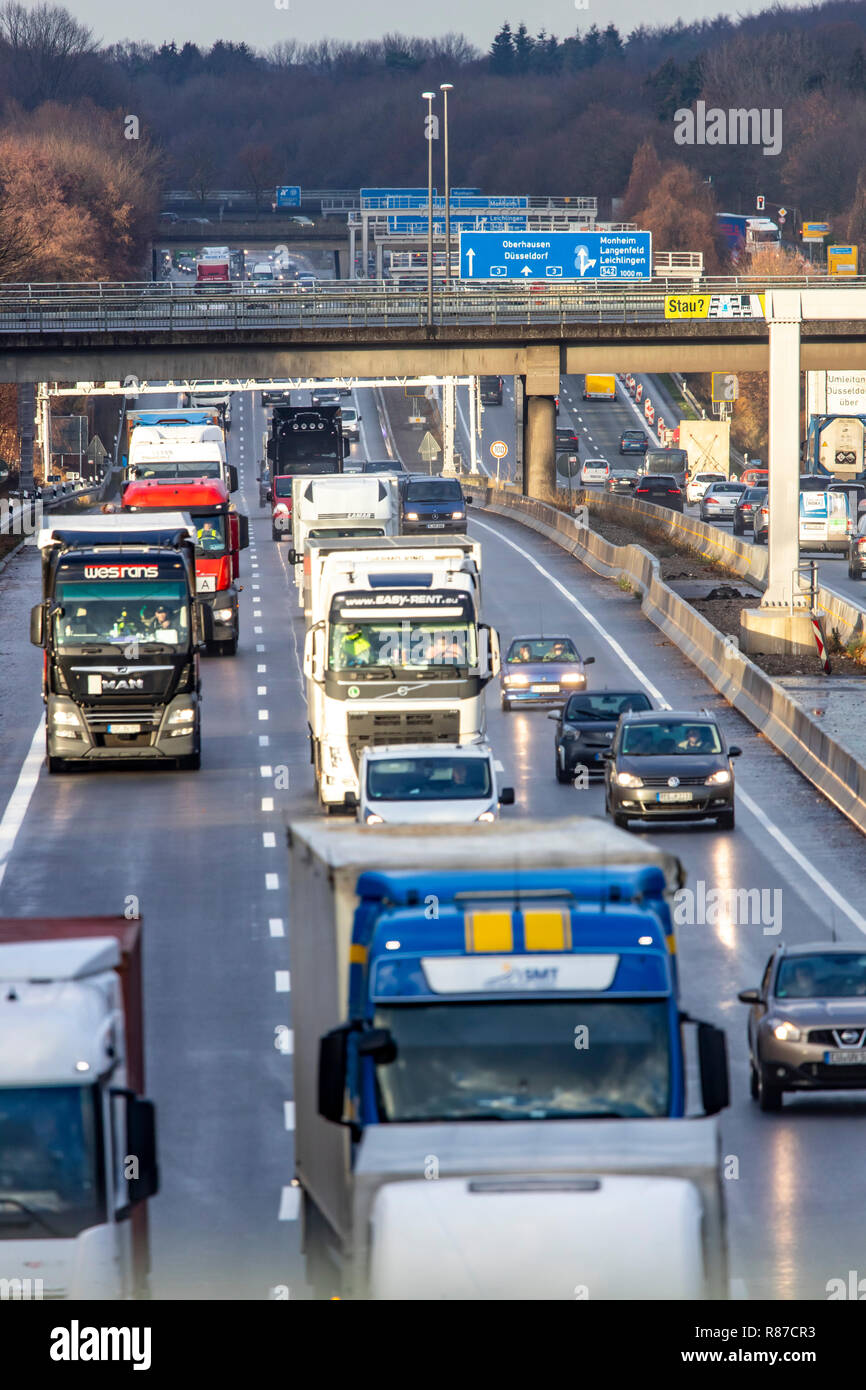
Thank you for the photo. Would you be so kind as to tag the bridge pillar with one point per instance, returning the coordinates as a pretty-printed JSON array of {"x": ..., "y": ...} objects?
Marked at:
[
  {"x": 541, "y": 386},
  {"x": 782, "y": 623},
  {"x": 352, "y": 272}
]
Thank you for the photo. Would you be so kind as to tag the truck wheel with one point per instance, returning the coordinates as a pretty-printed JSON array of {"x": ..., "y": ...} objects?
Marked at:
[
  {"x": 769, "y": 1097},
  {"x": 55, "y": 764}
]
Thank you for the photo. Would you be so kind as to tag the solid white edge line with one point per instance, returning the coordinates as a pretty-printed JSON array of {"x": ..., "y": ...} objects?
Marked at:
[
  {"x": 752, "y": 806},
  {"x": 290, "y": 1204}
]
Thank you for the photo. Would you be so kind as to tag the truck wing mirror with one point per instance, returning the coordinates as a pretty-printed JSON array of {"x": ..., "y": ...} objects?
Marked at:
[
  {"x": 202, "y": 624},
  {"x": 233, "y": 477},
  {"x": 271, "y": 449},
  {"x": 713, "y": 1063},
  {"x": 141, "y": 1169},
  {"x": 379, "y": 1045},
  {"x": 506, "y": 796},
  {"x": 243, "y": 531},
  {"x": 333, "y": 1057},
  {"x": 295, "y": 557},
  {"x": 37, "y": 625}
]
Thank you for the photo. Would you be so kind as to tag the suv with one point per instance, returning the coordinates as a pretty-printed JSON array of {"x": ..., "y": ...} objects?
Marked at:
[
  {"x": 431, "y": 503},
  {"x": 664, "y": 492},
  {"x": 633, "y": 442},
  {"x": 807, "y": 1022},
  {"x": 667, "y": 765}
]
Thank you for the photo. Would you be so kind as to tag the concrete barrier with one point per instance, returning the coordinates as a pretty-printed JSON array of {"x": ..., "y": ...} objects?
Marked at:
[{"x": 827, "y": 763}]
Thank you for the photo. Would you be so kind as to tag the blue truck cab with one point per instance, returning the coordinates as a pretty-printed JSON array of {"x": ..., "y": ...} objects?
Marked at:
[{"x": 496, "y": 995}]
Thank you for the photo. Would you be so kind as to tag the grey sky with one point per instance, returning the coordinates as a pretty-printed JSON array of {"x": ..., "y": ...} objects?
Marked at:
[{"x": 261, "y": 23}]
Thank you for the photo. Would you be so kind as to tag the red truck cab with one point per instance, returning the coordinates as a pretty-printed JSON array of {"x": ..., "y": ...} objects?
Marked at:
[
  {"x": 221, "y": 534},
  {"x": 281, "y": 506}
]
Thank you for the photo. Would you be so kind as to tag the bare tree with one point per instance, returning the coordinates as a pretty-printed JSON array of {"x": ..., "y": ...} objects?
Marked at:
[{"x": 48, "y": 48}]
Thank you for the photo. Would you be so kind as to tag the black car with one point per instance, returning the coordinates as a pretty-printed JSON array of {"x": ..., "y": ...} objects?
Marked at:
[
  {"x": 748, "y": 503},
  {"x": 567, "y": 441},
  {"x": 586, "y": 726},
  {"x": 668, "y": 765},
  {"x": 276, "y": 395},
  {"x": 431, "y": 503},
  {"x": 661, "y": 490},
  {"x": 622, "y": 480},
  {"x": 326, "y": 395},
  {"x": 633, "y": 442},
  {"x": 857, "y": 551}
]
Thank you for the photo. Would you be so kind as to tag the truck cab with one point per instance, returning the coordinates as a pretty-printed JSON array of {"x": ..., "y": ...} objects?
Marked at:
[{"x": 221, "y": 534}]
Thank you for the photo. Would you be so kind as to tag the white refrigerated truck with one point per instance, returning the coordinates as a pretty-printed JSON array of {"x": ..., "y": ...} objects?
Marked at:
[
  {"x": 395, "y": 651},
  {"x": 339, "y": 507}
]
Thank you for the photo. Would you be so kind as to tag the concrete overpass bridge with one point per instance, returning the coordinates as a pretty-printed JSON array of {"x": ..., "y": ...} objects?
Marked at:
[{"x": 162, "y": 332}]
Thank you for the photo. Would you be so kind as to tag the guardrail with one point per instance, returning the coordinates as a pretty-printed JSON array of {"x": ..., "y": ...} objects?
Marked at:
[
  {"x": 827, "y": 763},
  {"x": 129, "y": 306}
]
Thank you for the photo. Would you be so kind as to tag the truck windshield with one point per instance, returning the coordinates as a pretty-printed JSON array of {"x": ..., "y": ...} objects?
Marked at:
[
  {"x": 52, "y": 1179},
  {"x": 499, "y": 1061},
  {"x": 210, "y": 534},
  {"x": 428, "y": 779},
  {"x": 177, "y": 468},
  {"x": 149, "y": 613},
  {"x": 405, "y": 644}
]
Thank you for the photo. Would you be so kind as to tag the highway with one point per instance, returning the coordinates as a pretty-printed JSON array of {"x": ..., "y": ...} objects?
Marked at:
[{"x": 202, "y": 857}]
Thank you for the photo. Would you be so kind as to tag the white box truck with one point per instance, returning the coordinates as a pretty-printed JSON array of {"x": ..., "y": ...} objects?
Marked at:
[{"x": 339, "y": 507}]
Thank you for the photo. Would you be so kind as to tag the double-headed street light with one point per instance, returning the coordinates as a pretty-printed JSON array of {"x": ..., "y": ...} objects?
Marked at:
[{"x": 445, "y": 88}]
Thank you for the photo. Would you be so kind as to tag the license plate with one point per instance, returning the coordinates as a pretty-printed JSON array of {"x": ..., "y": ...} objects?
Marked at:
[
  {"x": 124, "y": 728},
  {"x": 544, "y": 689},
  {"x": 435, "y": 525},
  {"x": 673, "y": 796},
  {"x": 854, "y": 1058}
]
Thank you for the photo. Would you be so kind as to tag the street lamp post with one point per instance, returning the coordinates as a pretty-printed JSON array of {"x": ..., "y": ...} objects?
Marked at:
[
  {"x": 445, "y": 88},
  {"x": 428, "y": 131}
]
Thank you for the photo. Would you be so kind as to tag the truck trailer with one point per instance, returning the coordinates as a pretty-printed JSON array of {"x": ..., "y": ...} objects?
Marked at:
[
  {"x": 121, "y": 629},
  {"x": 78, "y": 1138},
  {"x": 523, "y": 973},
  {"x": 345, "y": 507}
]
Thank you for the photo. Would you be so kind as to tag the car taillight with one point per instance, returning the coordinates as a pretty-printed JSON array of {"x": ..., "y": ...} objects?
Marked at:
[
  {"x": 714, "y": 501},
  {"x": 861, "y": 545},
  {"x": 673, "y": 492}
]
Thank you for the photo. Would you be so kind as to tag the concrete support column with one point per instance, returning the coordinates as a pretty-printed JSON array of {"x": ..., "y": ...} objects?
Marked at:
[
  {"x": 365, "y": 242},
  {"x": 539, "y": 450},
  {"x": 352, "y": 272},
  {"x": 784, "y": 315}
]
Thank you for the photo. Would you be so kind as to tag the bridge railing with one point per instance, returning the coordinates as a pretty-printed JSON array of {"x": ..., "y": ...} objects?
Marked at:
[{"x": 130, "y": 306}]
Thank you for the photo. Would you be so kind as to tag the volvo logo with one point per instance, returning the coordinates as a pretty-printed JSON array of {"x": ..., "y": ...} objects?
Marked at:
[{"x": 673, "y": 781}]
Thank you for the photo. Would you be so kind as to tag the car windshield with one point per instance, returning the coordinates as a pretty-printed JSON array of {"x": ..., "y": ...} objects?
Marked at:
[
  {"x": 349, "y": 413},
  {"x": 51, "y": 1173},
  {"x": 652, "y": 740},
  {"x": 604, "y": 706},
  {"x": 434, "y": 492},
  {"x": 525, "y": 649},
  {"x": 151, "y": 612},
  {"x": 392, "y": 466},
  {"x": 834, "y": 975},
  {"x": 494, "y": 1061},
  {"x": 401, "y": 644},
  {"x": 428, "y": 778}
]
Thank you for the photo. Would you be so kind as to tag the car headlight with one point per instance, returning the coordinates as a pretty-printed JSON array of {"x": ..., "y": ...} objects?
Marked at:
[
  {"x": 718, "y": 779},
  {"x": 786, "y": 1032},
  {"x": 182, "y": 716},
  {"x": 223, "y": 615},
  {"x": 457, "y": 516},
  {"x": 411, "y": 516},
  {"x": 65, "y": 716},
  {"x": 628, "y": 779},
  {"x": 517, "y": 680},
  {"x": 573, "y": 680},
  {"x": 486, "y": 816},
  {"x": 372, "y": 819}
]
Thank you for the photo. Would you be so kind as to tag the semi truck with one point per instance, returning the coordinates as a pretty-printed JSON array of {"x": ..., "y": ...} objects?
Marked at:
[
  {"x": 490, "y": 388},
  {"x": 395, "y": 652},
  {"x": 213, "y": 267},
  {"x": 121, "y": 629},
  {"x": 221, "y": 534},
  {"x": 163, "y": 419},
  {"x": 743, "y": 234},
  {"x": 339, "y": 508},
  {"x": 78, "y": 1137},
  {"x": 522, "y": 972},
  {"x": 191, "y": 451},
  {"x": 303, "y": 443}
]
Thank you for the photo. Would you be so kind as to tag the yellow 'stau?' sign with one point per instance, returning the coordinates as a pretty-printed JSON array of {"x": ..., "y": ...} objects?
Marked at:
[{"x": 714, "y": 306}]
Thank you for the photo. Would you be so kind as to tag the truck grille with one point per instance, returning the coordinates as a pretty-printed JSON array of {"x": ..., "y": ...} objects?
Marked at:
[
  {"x": 402, "y": 726},
  {"x": 100, "y": 716}
]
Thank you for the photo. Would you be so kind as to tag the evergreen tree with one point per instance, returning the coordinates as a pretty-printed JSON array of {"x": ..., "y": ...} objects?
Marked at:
[{"x": 502, "y": 51}]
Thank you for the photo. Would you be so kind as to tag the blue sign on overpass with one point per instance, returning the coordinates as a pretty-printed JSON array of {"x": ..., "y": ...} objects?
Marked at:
[
  {"x": 556, "y": 256},
  {"x": 289, "y": 196}
]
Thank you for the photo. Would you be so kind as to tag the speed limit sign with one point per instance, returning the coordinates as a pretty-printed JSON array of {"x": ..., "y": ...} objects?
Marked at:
[{"x": 499, "y": 448}]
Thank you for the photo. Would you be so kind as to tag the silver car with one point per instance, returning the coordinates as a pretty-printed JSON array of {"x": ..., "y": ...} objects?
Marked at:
[{"x": 720, "y": 500}]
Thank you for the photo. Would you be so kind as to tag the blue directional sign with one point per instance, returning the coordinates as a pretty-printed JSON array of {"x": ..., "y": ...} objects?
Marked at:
[
  {"x": 289, "y": 196},
  {"x": 555, "y": 256}
]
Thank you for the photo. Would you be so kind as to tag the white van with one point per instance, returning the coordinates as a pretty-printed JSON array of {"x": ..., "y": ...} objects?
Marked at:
[
  {"x": 430, "y": 783},
  {"x": 825, "y": 521}
]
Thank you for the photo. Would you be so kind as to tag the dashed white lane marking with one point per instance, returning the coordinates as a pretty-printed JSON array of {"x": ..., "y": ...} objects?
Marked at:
[
  {"x": 257, "y": 629},
  {"x": 276, "y": 926},
  {"x": 290, "y": 1204},
  {"x": 289, "y": 1114},
  {"x": 260, "y": 646},
  {"x": 263, "y": 714},
  {"x": 264, "y": 740},
  {"x": 257, "y": 613},
  {"x": 16, "y": 807},
  {"x": 282, "y": 981},
  {"x": 261, "y": 669},
  {"x": 266, "y": 770},
  {"x": 262, "y": 689},
  {"x": 269, "y": 839},
  {"x": 267, "y": 803},
  {"x": 772, "y": 829},
  {"x": 272, "y": 882}
]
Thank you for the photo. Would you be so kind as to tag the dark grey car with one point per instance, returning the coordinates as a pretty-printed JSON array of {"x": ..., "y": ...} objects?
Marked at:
[
  {"x": 807, "y": 1022},
  {"x": 585, "y": 728},
  {"x": 669, "y": 765}
]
